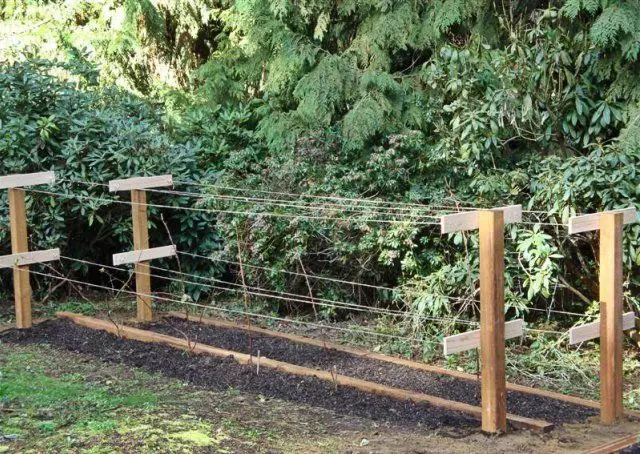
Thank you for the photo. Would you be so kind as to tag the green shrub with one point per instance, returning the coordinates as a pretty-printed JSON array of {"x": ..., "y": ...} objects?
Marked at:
[{"x": 54, "y": 117}]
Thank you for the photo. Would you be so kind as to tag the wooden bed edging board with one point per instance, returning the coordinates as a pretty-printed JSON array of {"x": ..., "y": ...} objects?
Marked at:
[
  {"x": 390, "y": 359},
  {"x": 616, "y": 445},
  {"x": 128, "y": 332}
]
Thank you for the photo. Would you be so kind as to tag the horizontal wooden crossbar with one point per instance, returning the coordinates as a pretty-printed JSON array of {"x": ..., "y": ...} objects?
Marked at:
[
  {"x": 29, "y": 258},
  {"x": 470, "y": 220},
  {"x": 140, "y": 183},
  {"x": 589, "y": 222},
  {"x": 143, "y": 255},
  {"x": 389, "y": 359},
  {"x": 590, "y": 331},
  {"x": 471, "y": 339},
  {"x": 242, "y": 358},
  {"x": 22, "y": 180}
]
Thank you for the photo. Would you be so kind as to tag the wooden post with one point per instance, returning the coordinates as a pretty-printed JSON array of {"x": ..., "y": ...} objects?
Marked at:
[
  {"x": 611, "y": 376},
  {"x": 492, "y": 337},
  {"x": 141, "y": 254},
  {"x": 612, "y": 322},
  {"x": 20, "y": 258},
  {"x": 490, "y": 224},
  {"x": 21, "y": 285},
  {"x": 141, "y": 241}
]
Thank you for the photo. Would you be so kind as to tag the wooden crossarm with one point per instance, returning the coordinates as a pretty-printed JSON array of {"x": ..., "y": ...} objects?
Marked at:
[
  {"x": 471, "y": 339},
  {"x": 590, "y": 331},
  {"x": 143, "y": 255},
  {"x": 470, "y": 220},
  {"x": 589, "y": 222},
  {"x": 140, "y": 183},
  {"x": 21, "y": 180},
  {"x": 29, "y": 258}
]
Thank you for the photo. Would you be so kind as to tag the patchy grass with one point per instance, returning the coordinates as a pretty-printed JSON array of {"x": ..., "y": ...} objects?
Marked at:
[{"x": 54, "y": 400}]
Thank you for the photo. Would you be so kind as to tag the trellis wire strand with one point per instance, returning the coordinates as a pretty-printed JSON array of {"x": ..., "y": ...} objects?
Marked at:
[
  {"x": 358, "y": 203},
  {"x": 252, "y": 314},
  {"x": 290, "y": 297},
  {"x": 214, "y": 211},
  {"x": 340, "y": 281},
  {"x": 280, "y": 202},
  {"x": 355, "y": 306},
  {"x": 460, "y": 207},
  {"x": 414, "y": 212}
]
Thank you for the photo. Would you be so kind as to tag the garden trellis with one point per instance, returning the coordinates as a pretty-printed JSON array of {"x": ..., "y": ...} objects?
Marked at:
[{"x": 490, "y": 338}]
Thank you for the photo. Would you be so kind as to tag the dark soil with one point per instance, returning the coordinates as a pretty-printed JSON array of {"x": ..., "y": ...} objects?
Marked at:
[
  {"x": 224, "y": 373},
  {"x": 398, "y": 376},
  {"x": 634, "y": 449}
]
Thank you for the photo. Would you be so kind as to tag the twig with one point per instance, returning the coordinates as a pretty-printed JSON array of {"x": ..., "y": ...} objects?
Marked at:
[
  {"x": 334, "y": 377},
  {"x": 246, "y": 296},
  {"x": 66, "y": 280},
  {"x": 55, "y": 287},
  {"x": 315, "y": 312},
  {"x": 574, "y": 290},
  {"x": 306, "y": 278}
]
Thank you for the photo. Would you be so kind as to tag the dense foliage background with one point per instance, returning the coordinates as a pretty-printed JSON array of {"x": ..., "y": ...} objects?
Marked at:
[{"x": 473, "y": 102}]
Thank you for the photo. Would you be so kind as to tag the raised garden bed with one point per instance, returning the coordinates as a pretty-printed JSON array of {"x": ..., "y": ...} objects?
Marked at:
[
  {"x": 219, "y": 357},
  {"x": 223, "y": 373},
  {"x": 398, "y": 376}
]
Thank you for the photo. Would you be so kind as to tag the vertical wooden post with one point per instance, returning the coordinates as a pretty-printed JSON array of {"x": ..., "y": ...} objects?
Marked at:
[
  {"x": 141, "y": 241},
  {"x": 492, "y": 338},
  {"x": 21, "y": 285},
  {"x": 611, "y": 377},
  {"x": 142, "y": 254}
]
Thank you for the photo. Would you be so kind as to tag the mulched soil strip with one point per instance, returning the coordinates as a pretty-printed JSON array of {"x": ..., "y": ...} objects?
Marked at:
[
  {"x": 224, "y": 373},
  {"x": 448, "y": 387}
]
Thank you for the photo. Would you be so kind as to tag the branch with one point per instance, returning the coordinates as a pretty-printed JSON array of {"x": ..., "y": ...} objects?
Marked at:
[{"x": 574, "y": 290}]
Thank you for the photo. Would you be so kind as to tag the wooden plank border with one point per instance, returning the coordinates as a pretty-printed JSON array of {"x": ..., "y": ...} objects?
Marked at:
[
  {"x": 615, "y": 445},
  {"x": 128, "y": 184},
  {"x": 220, "y": 323},
  {"x": 21, "y": 180},
  {"x": 471, "y": 339},
  {"x": 128, "y": 332},
  {"x": 470, "y": 220},
  {"x": 29, "y": 258},
  {"x": 591, "y": 330},
  {"x": 589, "y": 222},
  {"x": 143, "y": 255}
]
